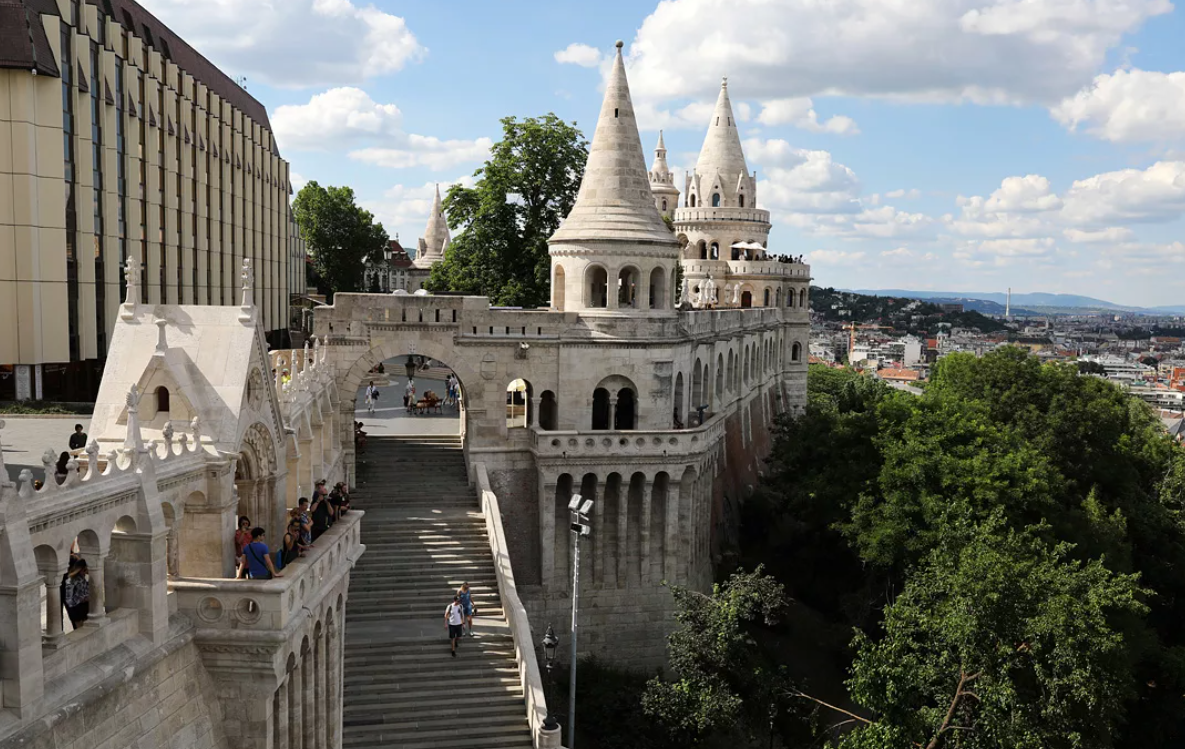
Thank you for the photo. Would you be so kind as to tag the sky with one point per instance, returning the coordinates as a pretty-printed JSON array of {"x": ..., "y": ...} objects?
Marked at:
[{"x": 956, "y": 145}]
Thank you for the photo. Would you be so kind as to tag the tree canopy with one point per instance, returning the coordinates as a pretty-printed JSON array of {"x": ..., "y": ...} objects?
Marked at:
[
  {"x": 339, "y": 233},
  {"x": 522, "y": 193},
  {"x": 1017, "y": 527}
]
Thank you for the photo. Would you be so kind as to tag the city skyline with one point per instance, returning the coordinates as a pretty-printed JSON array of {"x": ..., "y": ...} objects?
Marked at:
[{"x": 1034, "y": 145}]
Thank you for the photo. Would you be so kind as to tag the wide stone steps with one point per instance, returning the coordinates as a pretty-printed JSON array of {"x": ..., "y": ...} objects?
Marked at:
[{"x": 425, "y": 535}]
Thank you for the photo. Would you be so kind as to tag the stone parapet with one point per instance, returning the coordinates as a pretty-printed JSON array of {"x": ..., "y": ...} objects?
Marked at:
[
  {"x": 607, "y": 446},
  {"x": 700, "y": 215}
]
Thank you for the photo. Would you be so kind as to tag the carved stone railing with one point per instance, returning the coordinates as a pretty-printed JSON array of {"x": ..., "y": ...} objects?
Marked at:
[
  {"x": 605, "y": 444},
  {"x": 516, "y": 617}
]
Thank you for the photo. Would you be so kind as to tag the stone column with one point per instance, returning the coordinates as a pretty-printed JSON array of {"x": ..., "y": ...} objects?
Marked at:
[
  {"x": 547, "y": 509},
  {"x": 598, "y": 534},
  {"x": 281, "y": 713},
  {"x": 533, "y": 413},
  {"x": 308, "y": 475},
  {"x": 613, "y": 411},
  {"x": 295, "y": 704},
  {"x": 53, "y": 606},
  {"x": 644, "y": 531},
  {"x": 333, "y": 693},
  {"x": 308, "y": 698},
  {"x": 98, "y": 600},
  {"x": 623, "y": 530},
  {"x": 670, "y": 562},
  {"x": 321, "y": 689}
]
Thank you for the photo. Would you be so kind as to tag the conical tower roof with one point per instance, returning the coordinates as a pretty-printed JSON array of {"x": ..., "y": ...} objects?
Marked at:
[
  {"x": 615, "y": 201},
  {"x": 436, "y": 234},
  {"x": 660, "y": 167},
  {"x": 722, "y": 152}
]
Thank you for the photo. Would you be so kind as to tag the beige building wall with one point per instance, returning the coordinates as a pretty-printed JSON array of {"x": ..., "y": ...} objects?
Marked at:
[{"x": 203, "y": 188}]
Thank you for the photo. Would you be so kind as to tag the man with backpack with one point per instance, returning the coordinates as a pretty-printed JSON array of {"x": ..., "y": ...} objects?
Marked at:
[
  {"x": 257, "y": 560},
  {"x": 454, "y": 620}
]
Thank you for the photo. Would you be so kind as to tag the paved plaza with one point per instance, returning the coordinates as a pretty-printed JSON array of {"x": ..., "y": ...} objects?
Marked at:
[
  {"x": 391, "y": 418},
  {"x": 24, "y": 440}
]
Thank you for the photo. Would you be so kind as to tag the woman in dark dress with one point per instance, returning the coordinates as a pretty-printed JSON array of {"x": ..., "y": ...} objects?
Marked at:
[
  {"x": 76, "y": 593},
  {"x": 290, "y": 550}
]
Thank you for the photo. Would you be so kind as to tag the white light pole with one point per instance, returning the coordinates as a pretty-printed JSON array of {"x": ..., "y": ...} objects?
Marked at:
[{"x": 579, "y": 508}]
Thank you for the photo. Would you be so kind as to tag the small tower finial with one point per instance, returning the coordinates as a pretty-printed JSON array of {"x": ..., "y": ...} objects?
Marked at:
[
  {"x": 724, "y": 82},
  {"x": 620, "y": 44}
]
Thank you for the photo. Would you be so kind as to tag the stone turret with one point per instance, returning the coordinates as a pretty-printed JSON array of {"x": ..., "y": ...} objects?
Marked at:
[
  {"x": 662, "y": 182},
  {"x": 614, "y": 254},
  {"x": 721, "y": 178},
  {"x": 436, "y": 236}
]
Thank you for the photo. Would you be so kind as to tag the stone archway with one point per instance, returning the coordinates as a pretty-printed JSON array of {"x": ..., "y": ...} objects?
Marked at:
[
  {"x": 354, "y": 365},
  {"x": 256, "y": 479}
]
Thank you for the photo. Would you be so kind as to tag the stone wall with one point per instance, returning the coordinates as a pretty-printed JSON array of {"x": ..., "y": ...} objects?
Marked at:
[
  {"x": 160, "y": 699},
  {"x": 517, "y": 490}
]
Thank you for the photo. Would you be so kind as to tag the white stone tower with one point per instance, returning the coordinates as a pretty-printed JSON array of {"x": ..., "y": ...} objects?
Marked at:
[
  {"x": 662, "y": 182},
  {"x": 720, "y": 213},
  {"x": 436, "y": 236},
  {"x": 614, "y": 255}
]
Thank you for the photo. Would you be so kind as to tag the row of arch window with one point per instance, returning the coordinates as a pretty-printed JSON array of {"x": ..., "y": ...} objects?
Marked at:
[
  {"x": 691, "y": 200},
  {"x": 626, "y": 288},
  {"x": 734, "y": 373}
]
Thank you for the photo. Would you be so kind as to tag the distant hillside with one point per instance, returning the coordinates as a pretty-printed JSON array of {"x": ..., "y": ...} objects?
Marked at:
[
  {"x": 1035, "y": 302},
  {"x": 920, "y": 317}
]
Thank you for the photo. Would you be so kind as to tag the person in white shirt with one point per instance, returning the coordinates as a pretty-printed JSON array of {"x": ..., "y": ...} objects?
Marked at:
[
  {"x": 454, "y": 620},
  {"x": 372, "y": 394}
]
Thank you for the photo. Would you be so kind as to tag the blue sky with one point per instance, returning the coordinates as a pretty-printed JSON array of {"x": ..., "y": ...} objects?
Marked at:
[{"x": 957, "y": 144}]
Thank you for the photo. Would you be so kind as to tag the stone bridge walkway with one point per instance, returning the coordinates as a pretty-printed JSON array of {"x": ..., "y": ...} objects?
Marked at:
[{"x": 424, "y": 536}]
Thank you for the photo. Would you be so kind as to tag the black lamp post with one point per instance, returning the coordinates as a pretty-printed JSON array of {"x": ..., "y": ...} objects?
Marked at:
[{"x": 550, "y": 643}]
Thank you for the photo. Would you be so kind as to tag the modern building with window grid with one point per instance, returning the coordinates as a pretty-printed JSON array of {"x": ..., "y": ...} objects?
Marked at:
[{"x": 118, "y": 140}]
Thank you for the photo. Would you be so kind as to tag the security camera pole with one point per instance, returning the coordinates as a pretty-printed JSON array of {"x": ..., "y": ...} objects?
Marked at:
[{"x": 579, "y": 507}]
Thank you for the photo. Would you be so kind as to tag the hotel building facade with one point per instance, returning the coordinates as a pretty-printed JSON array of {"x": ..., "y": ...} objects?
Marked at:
[{"x": 119, "y": 142}]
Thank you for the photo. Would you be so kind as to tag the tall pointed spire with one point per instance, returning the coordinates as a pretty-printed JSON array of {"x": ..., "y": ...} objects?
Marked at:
[
  {"x": 436, "y": 236},
  {"x": 660, "y": 170},
  {"x": 615, "y": 202},
  {"x": 722, "y": 152}
]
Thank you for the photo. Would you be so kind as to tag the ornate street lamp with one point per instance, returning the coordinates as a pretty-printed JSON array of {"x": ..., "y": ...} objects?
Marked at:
[
  {"x": 550, "y": 643},
  {"x": 410, "y": 366}
]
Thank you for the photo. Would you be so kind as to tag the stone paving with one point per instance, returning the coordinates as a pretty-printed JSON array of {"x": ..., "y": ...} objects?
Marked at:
[
  {"x": 391, "y": 418},
  {"x": 25, "y": 439}
]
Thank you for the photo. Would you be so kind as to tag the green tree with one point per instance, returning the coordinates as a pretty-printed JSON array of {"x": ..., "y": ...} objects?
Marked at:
[
  {"x": 340, "y": 235},
  {"x": 724, "y": 682},
  {"x": 522, "y": 193},
  {"x": 998, "y": 641}
]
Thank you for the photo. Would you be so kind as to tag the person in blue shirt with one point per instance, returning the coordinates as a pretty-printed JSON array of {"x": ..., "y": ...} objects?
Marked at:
[
  {"x": 257, "y": 561},
  {"x": 466, "y": 598}
]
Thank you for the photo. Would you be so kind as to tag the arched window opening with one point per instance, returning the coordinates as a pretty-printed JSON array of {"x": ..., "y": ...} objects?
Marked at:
[
  {"x": 600, "y": 409},
  {"x": 596, "y": 287},
  {"x": 790, "y": 299},
  {"x": 627, "y": 288},
  {"x": 162, "y": 400},
  {"x": 558, "y": 289},
  {"x": 719, "y": 378},
  {"x": 802, "y": 298},
  {"x": 796, "y": 352},
  {"x": 677, "y": 413},
  {"x": 697, "y": 386},
  {"x": 548, "y": 411},
  {"x": 715, "y": 200},
  {"x": 691, "y": 200},
  {"x": 766, "y": 304},
  {"x": 518, "y": 404},
  {"x": 664, "y": 205},
  {"x": 658, "y": 288},
  {"x": 732, "y": 371},
  {"x": 703, "y": 250},
  {"x": 746, "y": 300},
  {"x": 626, "y": 414},
  {"x": 715, "y": 251},
  {"x": 741, "y": 199}
]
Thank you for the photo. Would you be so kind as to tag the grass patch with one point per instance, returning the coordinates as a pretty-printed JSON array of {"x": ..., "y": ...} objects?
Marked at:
[{"x": 34, "y": 408}]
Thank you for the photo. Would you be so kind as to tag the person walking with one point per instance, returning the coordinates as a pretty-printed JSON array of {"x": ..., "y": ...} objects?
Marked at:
[
  {"x": 257, "y": 560},
  {"x": 242, "y": 538},
  {"x": 372, "y": 395},
  {"x": 78, "y": 439},
  {"x": 409, "y": 395},
  {"x": 454, "y": 621},
  {"x": 466, "y": 598},
  {"x": 76, "y": 593}
]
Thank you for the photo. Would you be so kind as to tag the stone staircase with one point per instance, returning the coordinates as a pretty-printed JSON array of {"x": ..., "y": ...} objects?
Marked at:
[{"x": 425, "y": 535}]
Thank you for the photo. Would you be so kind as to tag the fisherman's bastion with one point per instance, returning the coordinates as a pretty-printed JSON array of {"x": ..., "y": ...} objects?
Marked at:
[{"x": 650, "y": 386}]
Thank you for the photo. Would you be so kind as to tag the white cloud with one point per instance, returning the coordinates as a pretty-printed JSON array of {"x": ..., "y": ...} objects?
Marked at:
[
  {"x": 912, "y": 194},
  {"x": 404, "y": 209},
  {"x": 694, "y": 116},
  {"x": 297, "y": 180},
  {"x": 347, "y": 117},
  {"x": 335, "y": 118},
  {"x": 422, "y": 150},
  {"x": 1099, "y": 236},
  {"x": 800, "y": 112},
  {"x": 294, "y": 43},
  {"x": 834, "y": 257},
  {"x": 579, "y": 54},
  {"x": 1128, "y": 106},
  {"x": 1155, "y": 194},
  {"x": 982, "y": 50}
]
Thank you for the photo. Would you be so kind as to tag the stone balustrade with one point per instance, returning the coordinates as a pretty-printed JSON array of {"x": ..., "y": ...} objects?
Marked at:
[
  {"x": 746, "y": 268},
  {"x": 628, "y": 444},
  {"x": 516, "y": 616},
  {"x": 722, "y": 213}
]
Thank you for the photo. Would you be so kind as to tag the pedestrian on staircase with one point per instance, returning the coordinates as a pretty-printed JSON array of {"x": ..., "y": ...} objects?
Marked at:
[
  {"x": 454, "y": 620},
  {"x": 466, "y": 598}
]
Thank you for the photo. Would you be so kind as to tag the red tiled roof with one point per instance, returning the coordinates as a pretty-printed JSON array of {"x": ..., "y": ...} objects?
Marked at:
[{"x": 911, "y": 375}]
